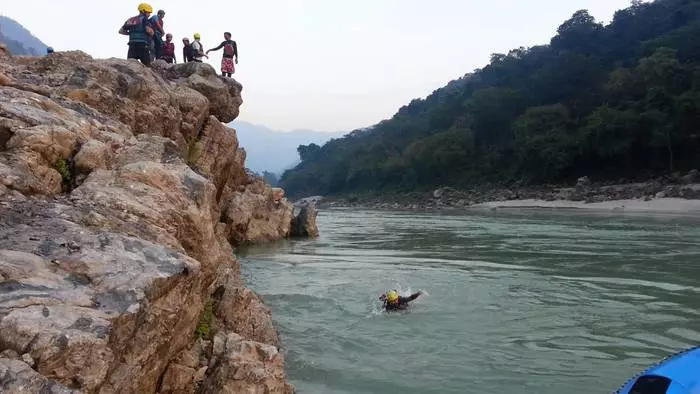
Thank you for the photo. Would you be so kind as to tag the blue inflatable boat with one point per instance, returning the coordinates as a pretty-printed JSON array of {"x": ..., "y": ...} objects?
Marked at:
[{"x": 676, "y": 374}]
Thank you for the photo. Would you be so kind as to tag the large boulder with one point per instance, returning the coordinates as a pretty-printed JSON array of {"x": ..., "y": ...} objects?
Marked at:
[
  {"x": 251, "y": 214},
  {"x": 304, "y": 220},
  {"x": 236, "y": 362},
  {"x": 238, "y": 309},
  {"x": 224, "y": 94},
  {"x": 121, "y": 194}
]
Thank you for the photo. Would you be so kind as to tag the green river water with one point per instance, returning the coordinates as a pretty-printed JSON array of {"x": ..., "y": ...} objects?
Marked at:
[{"x": 528, "y": 302}]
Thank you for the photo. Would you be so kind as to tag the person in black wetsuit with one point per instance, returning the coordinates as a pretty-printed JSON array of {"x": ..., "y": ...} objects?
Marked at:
[
  {"x": 186, "y": 51},
  {"x": 394, "y": 302}
]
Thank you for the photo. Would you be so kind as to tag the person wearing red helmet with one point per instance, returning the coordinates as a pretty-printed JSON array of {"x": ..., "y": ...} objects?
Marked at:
[{"x": 168, "y": 51}]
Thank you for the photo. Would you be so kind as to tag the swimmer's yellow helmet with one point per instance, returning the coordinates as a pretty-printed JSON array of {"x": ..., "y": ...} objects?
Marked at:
[{"x": 392, "y": 296}]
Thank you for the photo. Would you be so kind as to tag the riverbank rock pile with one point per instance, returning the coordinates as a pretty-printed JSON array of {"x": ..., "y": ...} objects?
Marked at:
[
  {"x": 585, "y": 190},
  {"x": 121, "y": 195}
]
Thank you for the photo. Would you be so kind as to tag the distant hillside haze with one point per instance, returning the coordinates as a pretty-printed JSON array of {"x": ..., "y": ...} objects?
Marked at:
[
  {"x": 19, "y": 40},
  {"x": 275, "y": 151}
]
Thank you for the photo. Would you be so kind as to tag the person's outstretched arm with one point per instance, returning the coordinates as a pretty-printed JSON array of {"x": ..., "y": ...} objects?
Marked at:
[
  {"x": 217, "y": 48},
  {"x": 413, "y": 296},
  {"x": 235, "y": 51}
]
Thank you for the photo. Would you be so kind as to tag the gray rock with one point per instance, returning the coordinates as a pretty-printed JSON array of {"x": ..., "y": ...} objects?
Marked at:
[
  {"x": 9, "y": 353},
  {"x": 690, "y": 177},
  {"x": 18, "y": 377},
  {"x": 312, "y": 200},
  {"x": 304, "y": 222},
  {"x": 27, "y": 358},
  {"x": 238, "y": 361},
  {"x": 201, "y": 373},
  {"x": 583, "y": 182}
]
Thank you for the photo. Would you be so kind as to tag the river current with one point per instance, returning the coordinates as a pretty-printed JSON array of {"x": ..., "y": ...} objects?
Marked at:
[{"x": 520, "y": 302}]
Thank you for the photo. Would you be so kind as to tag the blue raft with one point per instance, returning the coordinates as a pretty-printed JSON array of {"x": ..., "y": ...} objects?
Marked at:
[{"x": 676, "y": 374}]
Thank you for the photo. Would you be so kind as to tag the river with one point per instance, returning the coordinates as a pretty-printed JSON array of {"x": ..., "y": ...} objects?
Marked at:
[{"x": 520, "y": 302}]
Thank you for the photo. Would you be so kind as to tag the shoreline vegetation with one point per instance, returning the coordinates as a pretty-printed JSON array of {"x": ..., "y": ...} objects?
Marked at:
[{"x": 674, "y": 194}]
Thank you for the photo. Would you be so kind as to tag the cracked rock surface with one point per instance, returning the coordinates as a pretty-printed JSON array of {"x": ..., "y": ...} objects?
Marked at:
[{"x": 121, "y": 195}]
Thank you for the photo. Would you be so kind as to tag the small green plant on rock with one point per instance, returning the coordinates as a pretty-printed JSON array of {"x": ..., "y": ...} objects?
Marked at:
[
  {"x": 193, "y": 151},
  {"x": 63, "y": 168},
  {"x": 204, "y": 330}
]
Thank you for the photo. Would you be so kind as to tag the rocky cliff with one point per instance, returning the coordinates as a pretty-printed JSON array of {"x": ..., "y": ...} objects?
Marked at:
[{"x": 121, "y": 193}]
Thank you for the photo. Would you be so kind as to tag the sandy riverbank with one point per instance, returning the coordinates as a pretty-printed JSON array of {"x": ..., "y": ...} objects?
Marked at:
[{"x": 659, "y": 205}]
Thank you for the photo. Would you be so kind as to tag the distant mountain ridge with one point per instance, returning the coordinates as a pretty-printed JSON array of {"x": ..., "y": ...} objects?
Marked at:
[
  {"x": 19, "y": 40},
  {"x": 275, "y": 151}
]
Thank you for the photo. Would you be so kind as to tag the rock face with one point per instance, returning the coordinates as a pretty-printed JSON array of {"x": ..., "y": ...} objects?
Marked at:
[
  {"x": 18, "y": 377},
  {"x": 121, "y": 193},
  {"x": 304, "y": 220}
]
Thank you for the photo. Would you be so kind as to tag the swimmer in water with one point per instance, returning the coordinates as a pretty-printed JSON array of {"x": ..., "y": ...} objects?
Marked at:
[{"x": 394, "y": 302}]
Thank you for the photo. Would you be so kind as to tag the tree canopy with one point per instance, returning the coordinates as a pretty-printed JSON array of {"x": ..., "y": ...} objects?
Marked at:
[{"x": 621, "y": 100}]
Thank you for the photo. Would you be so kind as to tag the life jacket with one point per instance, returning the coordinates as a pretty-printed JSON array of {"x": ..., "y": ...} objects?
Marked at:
[
  {"x": 194, "y": 52},
  {"x": 187, "y": 52},
  {"x": 228, "y": 50},
  {"x": 168, "y": 50},
  {"x": 137, "y": 29},
  {"x": 157, "y": 24},
  {"x": 130, "y": 25}
]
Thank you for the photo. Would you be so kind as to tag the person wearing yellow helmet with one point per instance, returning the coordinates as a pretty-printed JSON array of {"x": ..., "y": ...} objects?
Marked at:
[
  {"x": 140, "y": 35},
  {"x": 198, "y": 49},
  {"x": 145, "y": 8},
  {"x": 394, "y": 302}
]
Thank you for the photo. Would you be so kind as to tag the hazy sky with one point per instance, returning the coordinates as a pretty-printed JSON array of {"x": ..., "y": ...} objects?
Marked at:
[{"x": 322, "y": 64}]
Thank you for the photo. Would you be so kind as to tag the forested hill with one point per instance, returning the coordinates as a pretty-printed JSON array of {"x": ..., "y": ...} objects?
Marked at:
[
  {"x": 614, "y": 101},
  {"x": 19, "y": 40}
]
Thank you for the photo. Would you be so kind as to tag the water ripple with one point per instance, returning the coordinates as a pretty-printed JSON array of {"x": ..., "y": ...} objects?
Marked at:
[{"x": 526, "y": 302}]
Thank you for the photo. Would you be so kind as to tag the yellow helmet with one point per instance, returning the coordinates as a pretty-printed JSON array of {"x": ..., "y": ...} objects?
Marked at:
[
  {"x": 196, "y": 36},
  {"x": 145, "y": 7},
  {"x": 392, "y": 296}
]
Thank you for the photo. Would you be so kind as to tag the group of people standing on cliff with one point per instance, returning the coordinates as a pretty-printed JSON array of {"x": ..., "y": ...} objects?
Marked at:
[{"x": 146, "y": 42}]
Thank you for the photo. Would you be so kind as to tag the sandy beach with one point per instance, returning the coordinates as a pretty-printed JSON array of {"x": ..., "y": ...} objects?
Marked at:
[{"x": 659, "y": 205}]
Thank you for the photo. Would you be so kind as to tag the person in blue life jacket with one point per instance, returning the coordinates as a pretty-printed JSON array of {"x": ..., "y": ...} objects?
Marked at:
[
  {"x": 140, "y": 33},
  {"x": 394, "y": 302},
  {"x": 156, "y": 22}
]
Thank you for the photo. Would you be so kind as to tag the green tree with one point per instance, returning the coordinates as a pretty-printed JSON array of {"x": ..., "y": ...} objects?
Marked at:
[
  {"x": 545, "y": 144},
  {"x": 605, "y": 100}
]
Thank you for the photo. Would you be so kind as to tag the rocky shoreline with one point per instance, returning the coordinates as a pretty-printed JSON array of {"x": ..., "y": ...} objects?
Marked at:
[
  {"x": 122, "y": 196},
  {"x": 584, "y": 191}
]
